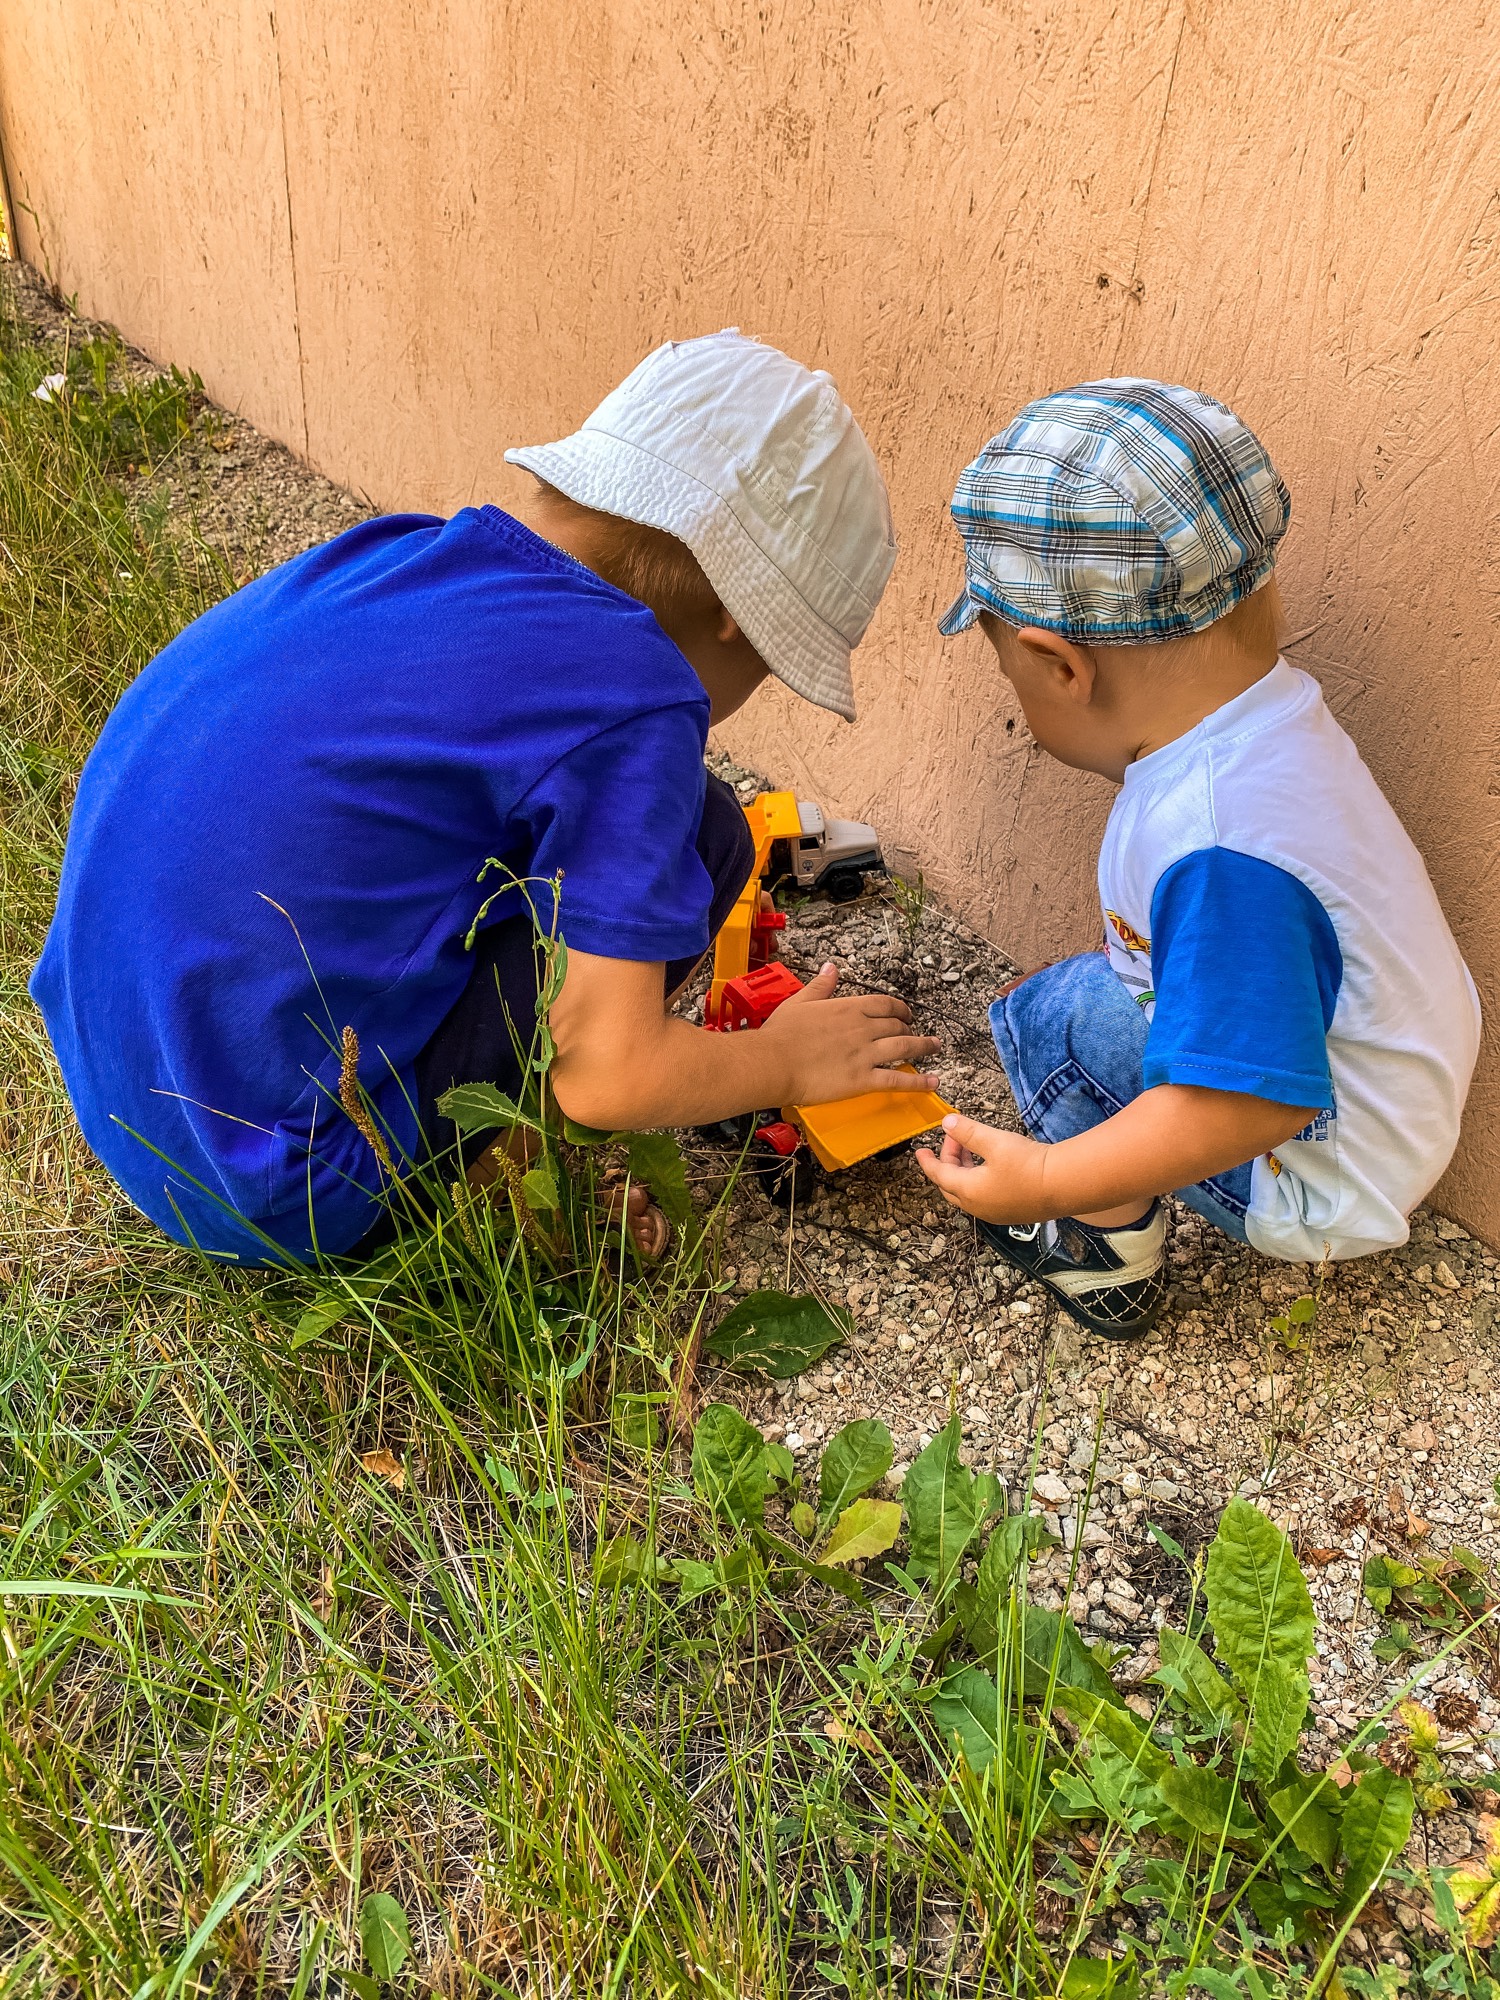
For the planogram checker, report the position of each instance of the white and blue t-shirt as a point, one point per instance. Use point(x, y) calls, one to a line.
point(281, 831)
point(1268, 910)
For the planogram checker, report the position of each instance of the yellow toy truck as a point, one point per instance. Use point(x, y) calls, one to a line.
point(749, 984)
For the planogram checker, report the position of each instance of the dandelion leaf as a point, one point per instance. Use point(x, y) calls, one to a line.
point(946, 1507)
point(385, 1936)
point(656, 1161)
point(731, 1473)
point(1211, 1805)
point(1191, 1675)
point(967, 1706)
point(480, 1107)
point(539, 1189)
point(1277, 1712)
point(1257, 1597)
point(1057, 1657)
point(1376, 1825)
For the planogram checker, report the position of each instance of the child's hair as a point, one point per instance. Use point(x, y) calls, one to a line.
point(1255, 628)
point(646, 563)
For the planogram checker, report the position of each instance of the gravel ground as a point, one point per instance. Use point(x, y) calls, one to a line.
point(1379, 1432)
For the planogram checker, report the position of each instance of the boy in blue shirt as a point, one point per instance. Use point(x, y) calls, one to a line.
point(279, 834)
point(1280, 1027)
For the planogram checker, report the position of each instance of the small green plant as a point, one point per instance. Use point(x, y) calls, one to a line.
point(909, 896)
point(841, 1905)
point(1214, 1773)
point(1293, 1326)
point(1224, 1773)
point(1448, 1596)
point(385, 1938)
point(778, 1335)
point(97, 408)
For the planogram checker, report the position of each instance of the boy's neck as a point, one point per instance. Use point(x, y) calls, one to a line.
point(1170, 712)
point(574, 530)
point(720, 655)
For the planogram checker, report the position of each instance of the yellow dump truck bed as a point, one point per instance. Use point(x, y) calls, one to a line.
point(856, 1128)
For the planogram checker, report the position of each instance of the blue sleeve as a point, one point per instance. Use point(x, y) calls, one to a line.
point(1247, 970)
point(618, 818)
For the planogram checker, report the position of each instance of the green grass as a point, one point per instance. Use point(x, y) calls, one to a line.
point(321, 1589)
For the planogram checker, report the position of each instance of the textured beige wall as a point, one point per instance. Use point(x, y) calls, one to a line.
point(402, 238)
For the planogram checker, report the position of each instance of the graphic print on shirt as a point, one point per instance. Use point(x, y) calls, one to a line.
point(1130, 956)
point(1318, 1133)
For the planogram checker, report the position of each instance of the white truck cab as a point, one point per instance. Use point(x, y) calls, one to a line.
point(834, 855)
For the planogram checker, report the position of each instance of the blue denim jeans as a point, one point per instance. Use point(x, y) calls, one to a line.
point(1073, 1043)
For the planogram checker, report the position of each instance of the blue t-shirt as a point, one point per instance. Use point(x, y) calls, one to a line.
point(1247, 971)
point(280, 833)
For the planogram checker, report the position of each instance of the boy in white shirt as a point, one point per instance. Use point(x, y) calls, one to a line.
point(1280, 1027)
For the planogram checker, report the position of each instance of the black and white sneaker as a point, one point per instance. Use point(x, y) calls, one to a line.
point(1110, 1280)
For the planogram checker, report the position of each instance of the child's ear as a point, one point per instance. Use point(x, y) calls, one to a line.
point(1069, 669)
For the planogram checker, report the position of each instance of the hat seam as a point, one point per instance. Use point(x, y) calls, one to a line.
point(1105, 484)
point(1102, 479)
point(683, 473)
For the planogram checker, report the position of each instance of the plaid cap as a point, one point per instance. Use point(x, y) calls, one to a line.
point(1116, 513)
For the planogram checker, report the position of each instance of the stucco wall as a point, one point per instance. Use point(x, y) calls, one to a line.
point(403, 237)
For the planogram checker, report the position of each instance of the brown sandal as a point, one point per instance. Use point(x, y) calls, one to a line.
point(650, 1231)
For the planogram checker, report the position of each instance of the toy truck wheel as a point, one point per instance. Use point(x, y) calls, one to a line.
point(731, 1132)
point(900, 1151)
point(844, 885)
point(784, 1179)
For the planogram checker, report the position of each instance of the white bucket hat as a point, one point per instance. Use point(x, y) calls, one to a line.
point(757, 464)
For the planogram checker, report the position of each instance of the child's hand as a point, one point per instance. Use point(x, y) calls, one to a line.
point(993, 1175)
point(841, 1048)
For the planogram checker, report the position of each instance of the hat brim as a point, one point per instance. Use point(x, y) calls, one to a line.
point(960, 615)
point(597, 469)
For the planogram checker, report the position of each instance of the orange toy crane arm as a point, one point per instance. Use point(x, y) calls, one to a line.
point(772, 816)
point(852, 1129)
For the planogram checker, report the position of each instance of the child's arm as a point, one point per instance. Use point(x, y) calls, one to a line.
point(1166, 1138)
point(625, 1064)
